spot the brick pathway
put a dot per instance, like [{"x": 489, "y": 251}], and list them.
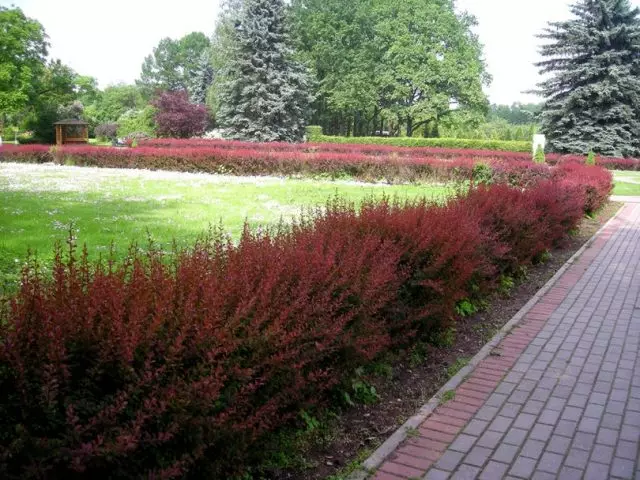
[{"x": 560, "y": 396}]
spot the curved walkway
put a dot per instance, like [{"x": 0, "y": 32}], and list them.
[{"x": 560, "y": 396}]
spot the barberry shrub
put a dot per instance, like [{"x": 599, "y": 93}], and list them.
[{"x": 173, "y": 367}]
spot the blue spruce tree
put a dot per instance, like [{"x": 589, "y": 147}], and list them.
[
  {"x": 593, "y": 88},
  {"x": 267, "y": 95}
]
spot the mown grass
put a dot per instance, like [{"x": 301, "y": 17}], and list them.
[
  {"x": 627, "y": 183},
  {"x": 40, "y": 202}
]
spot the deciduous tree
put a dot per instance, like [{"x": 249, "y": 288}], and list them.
[{"x": 176, "y": 117}]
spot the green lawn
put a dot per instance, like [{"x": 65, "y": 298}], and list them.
[
  {"x": 39, "y": 202},
  {"x": 627, "y": 183}
]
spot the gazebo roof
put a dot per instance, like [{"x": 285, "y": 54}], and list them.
[{"x": 71, "y": 121}]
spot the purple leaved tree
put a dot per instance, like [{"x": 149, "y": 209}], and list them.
[{"x": 176, "y": 117}]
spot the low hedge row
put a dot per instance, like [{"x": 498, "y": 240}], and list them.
[
  {"x": 390, "y": 167},
  {"x": 178, "y": 369},
  {"x": 264, "y": 158}
]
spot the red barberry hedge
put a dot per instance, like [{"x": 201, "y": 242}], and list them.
[{"x": 179, "y": 367}]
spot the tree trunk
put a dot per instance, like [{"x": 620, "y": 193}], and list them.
[{"x": 409, "y": 126}]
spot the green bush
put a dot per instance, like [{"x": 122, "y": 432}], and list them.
[
  {"x": 137, "y": 121},
  {"x": 483, "y": 173},
  {"x": 314, "y": 132},
  {"x": 539, "y": 156},
  {"x": 591, "y": 158},
  {"x": 462, "y": 143}
]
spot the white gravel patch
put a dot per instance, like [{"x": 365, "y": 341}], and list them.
[{"x": 46, "y": 177}]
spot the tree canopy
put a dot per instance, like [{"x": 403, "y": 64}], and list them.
[
  {"x": 407, "y": 63},
  {"x": 593, "y": 88},
  {"x": 23, "y": 54},
  {"x": 174, "y": 64}
]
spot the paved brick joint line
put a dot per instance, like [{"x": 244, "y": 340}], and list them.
[{"x": 560, "y": 398}]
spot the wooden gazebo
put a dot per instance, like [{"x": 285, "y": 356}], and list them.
[{"x": 71, "y": 131}]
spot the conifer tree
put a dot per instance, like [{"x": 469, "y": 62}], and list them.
[
  {"x": 593, "y": 90},
  {"x": 267, "y": 95},
  {"x": 201, "y": 80}
]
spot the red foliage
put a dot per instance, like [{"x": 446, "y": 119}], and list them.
[
  {"x": 177, "y": 117},
  {"x": 161, "y": 367},
  {"x": 25, "y": 153}
]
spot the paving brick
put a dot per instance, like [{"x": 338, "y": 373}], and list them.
[
  {"x": 505, "y": 453},
  {"x": 577, "y": 458},
  {"x": 607, "y": 436},
  {"x": 550, "y": 462},
  {"x": 628, "y": 450},
  {"x": 515, "y": 436},
  {"x": 532, "y": 449},
  {"x": 568, "y": 473},
  {"x": 541, "y": 432},
  {"x": 559, "y": 444},
  {"x": 596, "y": 471},
  {"x": 466, "y": 472},
  {"x": 435, "y": 474},
  {"x": 478, "y": 456},
  {"x": 476, "y": 427},
  {"x": 402, "y": 471},
  {"x": 566, "y": 428},
  {"x": 449, "y": 460},
  {"x": 583, "y": 441},
  {"x": 463, "y": 443},
  {"x": 549, "y": 417},
  {"x": 419, "y": 463},
  {"x": 589, "y": 425},
  {"x": 490, "y": 439},
  {"x": 523, "y": 467},
  {"x": 494, "y": 470},
  {"x": 525, "y": 421},
  {"x": 602, "y": 454},
  {"x": 380, "y": 475},
  {"x": 622, "y": 468}
]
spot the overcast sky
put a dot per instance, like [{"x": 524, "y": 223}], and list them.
[{"x": 109, "y": 39}]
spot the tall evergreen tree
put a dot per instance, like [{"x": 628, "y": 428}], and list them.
[
  {"x": 201, "y": 79},
  {"x": 267, "y": 95},
  {"x": 593, "y": 91}
]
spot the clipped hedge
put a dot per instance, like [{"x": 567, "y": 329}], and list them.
[
  {"x": 178, "y": 369},
  {"x": 499, "y": 145}
]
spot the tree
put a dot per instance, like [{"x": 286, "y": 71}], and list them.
[
  {"x": 517, "y": 113},
  {"x": 337, "y": 39},
  {"x": 23, "y": 52},
  {"x": 73, "y": 111},
  {"x": 174, "y": 63},
  {"x": 201, "y": 80},
  {"x": 383, "y": 62},
  {"x": 267, "y": 96},
  {"x": 176, "y": 117},
  {"x": 56, "y": 86},
  {"x": 432, "y": 62},
  {"x": 593, "y": 90},
  {"x": 221, "y": 51}
]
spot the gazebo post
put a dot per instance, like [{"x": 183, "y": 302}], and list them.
[{"x": 58, "y": 135}]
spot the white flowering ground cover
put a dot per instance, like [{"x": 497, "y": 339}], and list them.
[{"x": 39, "y": 203}]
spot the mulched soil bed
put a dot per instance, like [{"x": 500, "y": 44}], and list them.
[{"x": 361, "y": 429}]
